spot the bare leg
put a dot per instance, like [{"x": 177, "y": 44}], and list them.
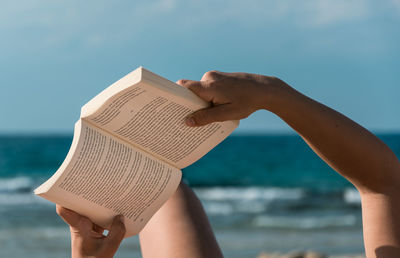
[{"x": 179, "y": 229}]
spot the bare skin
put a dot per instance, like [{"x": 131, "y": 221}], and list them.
[
  {"x": 87, "y": 239},
  {"x": 181, "y": 229},
  {"x": 347, "y": 147}
]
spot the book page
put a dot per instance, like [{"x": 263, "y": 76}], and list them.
[
  {"x": 152, "y": 118},
  {"x": 105, "y": 177}
]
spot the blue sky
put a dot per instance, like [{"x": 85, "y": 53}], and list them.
[{"x": 56, "y": 55}]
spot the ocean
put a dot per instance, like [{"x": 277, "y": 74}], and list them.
[{"x": 266, "y": 193}]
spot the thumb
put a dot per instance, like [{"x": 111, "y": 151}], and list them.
[
  {"x": 115, "y": 235},
  {"x": 209, "y": 115}
]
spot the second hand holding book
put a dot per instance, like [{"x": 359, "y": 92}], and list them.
[{"x": 128, "y": 150}]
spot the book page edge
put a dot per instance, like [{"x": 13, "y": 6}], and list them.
[{"x": 100, "y": 99}]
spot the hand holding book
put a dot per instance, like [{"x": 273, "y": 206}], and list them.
[
  {"x": 128, "y": 148},
  {"x": 87, "y": 238},
  {"x": 234, "y": 96},
  {"x": 347, "y": 147}
]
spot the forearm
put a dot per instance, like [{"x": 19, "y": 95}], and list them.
[
  {"x": 346, "y": 146},
  {"x": 179, "y": 229}
]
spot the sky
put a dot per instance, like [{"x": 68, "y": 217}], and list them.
[{"x": 56, "y": 55}]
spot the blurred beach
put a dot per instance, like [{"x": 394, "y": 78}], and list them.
[
  {"x": 263, "y": 194},
  {"x": 267, "y": 196}
]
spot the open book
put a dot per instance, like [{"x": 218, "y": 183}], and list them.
[{"x": 128, "y": 148}]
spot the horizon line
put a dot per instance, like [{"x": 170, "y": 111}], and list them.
[{"x": 237, "y": 133}]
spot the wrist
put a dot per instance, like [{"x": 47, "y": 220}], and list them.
[{"x": 277, "y": 95}]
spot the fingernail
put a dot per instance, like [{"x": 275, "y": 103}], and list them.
[{"x": 190, "y": 121}]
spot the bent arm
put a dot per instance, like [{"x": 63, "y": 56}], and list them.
[
  {"x": 179, "y": 229},
  {"x": 360, "y": 157},
  {"x": 347, "y": 147}
]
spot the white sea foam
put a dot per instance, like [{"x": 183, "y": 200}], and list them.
[
  {"x": 219, "y": 208},
  {"x": 16, "y": 184},
  {"x": 12, "y": 199},
  {"x": 18, "y": 191},
  {"x": 309, "y": 222},
  {"x": 249, "y": 193},
  {"x": 245, "y": 200},
  {"x": 351, "y": 196}
]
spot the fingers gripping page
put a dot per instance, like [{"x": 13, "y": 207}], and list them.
[
  {"x": 110, "y": 173},
  {"x": 153, "y": 120}
]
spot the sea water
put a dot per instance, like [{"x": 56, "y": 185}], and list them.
[{"x": 261, "y": 193}]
